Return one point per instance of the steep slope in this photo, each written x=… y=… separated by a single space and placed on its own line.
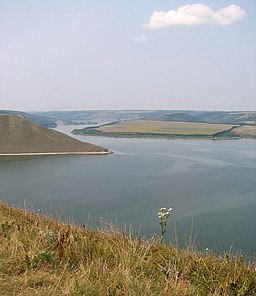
x=18 y=135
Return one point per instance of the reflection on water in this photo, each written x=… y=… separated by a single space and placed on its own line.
x=211 y=183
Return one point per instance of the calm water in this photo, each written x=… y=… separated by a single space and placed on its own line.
x=211 y=186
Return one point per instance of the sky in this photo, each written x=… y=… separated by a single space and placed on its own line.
x=143 y=54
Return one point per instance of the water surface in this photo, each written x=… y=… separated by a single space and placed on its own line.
x=211 y=186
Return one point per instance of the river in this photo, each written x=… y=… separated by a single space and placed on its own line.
x=211 y=186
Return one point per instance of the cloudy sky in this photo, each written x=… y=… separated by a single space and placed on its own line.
x=143 y=54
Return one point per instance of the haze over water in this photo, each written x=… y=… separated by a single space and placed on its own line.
x=211 y=186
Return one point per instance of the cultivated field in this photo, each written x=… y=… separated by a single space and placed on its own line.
x=164 y=127
x=246 y=131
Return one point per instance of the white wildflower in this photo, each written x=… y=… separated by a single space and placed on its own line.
x=163 y=216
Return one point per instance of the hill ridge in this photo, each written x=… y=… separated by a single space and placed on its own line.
x=19 y=136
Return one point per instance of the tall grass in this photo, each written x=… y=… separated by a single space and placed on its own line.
x=42 y=256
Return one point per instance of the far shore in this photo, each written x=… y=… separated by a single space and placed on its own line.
x=57 y=153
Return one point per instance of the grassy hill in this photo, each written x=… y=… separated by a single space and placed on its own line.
x=38 y=119
x=18 y=135
x=42 y=256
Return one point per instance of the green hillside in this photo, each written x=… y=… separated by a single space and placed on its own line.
x=18 y=135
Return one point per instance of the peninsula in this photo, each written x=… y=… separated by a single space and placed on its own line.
x=186 y=125
x=158 y=129
x=19 y=136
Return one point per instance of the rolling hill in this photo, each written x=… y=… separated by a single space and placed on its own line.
x=234 y=117
x=183 y=117
x=244 y=117
x=20 y=136
x=82 y=117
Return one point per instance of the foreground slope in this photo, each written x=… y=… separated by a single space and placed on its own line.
x=42 y=256
x=18 y=135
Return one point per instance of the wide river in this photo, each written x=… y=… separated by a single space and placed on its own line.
x=211 y=186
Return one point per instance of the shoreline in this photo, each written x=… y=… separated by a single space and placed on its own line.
x=57 y=153
x=161 y=136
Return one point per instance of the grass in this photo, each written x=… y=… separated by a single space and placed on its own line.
x=42 y=256
x=164 y=127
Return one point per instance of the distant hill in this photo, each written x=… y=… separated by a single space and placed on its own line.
x=228 y=117
x=18 y=135
x=238 y=117
x=104 y=116
x=89 y=116
x=175 y=117
x=42 y=120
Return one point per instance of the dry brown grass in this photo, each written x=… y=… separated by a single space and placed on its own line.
x=164 y=127
x=42 y=256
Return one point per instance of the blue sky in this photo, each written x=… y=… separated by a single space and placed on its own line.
x=147 y=54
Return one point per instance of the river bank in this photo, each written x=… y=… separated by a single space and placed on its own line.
x=57 y=153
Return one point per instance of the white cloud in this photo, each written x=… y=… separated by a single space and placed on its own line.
x=195 y=14
x=140 y=39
